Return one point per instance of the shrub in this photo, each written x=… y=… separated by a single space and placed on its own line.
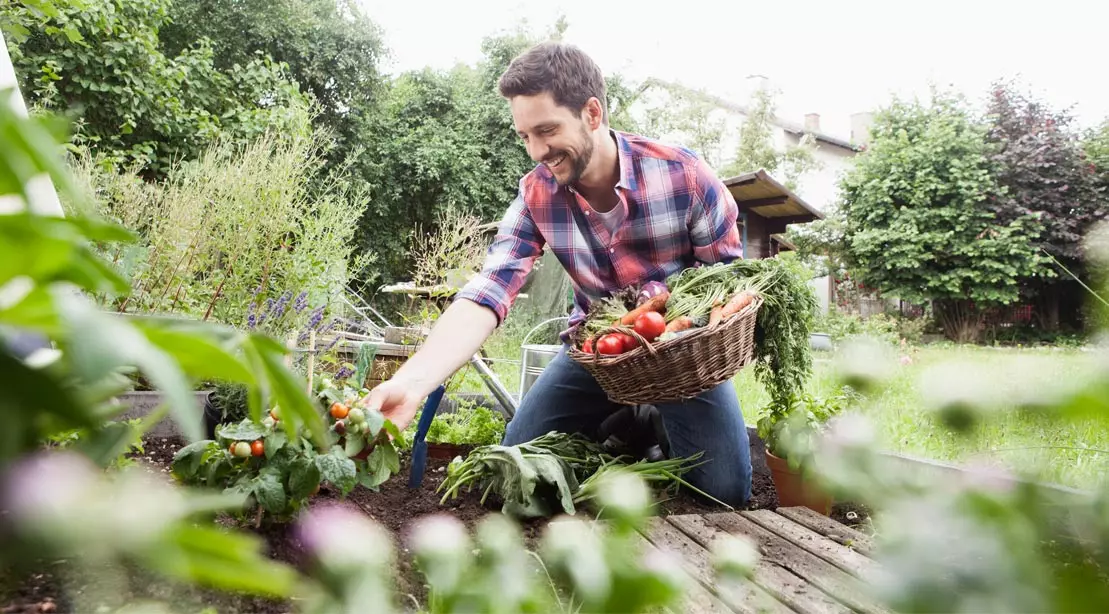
x=238 y=226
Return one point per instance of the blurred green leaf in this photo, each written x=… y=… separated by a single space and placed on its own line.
x=228 y=561
x=241 y=431
x=98 y=344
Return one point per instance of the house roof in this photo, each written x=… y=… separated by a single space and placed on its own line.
x=764 y=196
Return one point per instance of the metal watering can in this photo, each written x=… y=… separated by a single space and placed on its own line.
x=534 y=357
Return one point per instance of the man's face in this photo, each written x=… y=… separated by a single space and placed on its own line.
x=554 y=135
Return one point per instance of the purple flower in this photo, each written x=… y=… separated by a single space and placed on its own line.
x=251 y=321
x=301 y=302
x=316 y=318
x=344 y=372
x=282 y=304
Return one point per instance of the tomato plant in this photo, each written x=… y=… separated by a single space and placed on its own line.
x=278 y=473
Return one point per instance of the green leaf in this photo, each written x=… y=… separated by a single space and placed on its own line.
x=274 y=442
x=337 y=469
x=390 y=456
x=99 y=344
x=289 y=392
x=269 y=492
x=104 y=445
x=242 y=431
x=353 y=444
x=35 y=311
x=303 y=479
x=398 y=436
x=200 y=356
x=72 y=34
x=187 y=461
x=221 y=559
x=32 y=390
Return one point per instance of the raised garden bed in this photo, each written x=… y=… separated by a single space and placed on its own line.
x=395 y=506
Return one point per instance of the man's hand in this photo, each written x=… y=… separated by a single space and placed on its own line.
x=455 y=338
x=396 y=400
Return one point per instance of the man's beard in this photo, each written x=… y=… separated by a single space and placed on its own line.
x=578 y=163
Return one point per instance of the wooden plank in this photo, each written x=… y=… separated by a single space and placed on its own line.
x=746 y=595
x=837 y=554
x=829 y=528
x=780 y=582
x=698 y=599
x=781 y=551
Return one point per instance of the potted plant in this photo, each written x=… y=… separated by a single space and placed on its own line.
x=789 y=430
x=458 y=432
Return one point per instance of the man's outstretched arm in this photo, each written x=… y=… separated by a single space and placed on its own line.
x=473 y=316
x=456 y=337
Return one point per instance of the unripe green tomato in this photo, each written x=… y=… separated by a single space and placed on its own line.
x=242 y=449
x=357 y=416
x=268 y=422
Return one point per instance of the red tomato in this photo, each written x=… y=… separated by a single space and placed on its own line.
x=610 y=344
x=587 y=347
x=650 y=325
x=629 y=342
x=257 y=448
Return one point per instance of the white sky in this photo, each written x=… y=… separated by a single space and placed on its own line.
x=832 y=57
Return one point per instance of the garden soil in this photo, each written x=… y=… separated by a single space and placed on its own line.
x=395 y=506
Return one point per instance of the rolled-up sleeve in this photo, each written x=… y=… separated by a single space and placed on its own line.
x=713 y=217
x=509 y=260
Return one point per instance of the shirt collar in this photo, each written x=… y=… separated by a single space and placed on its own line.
x=623 y=162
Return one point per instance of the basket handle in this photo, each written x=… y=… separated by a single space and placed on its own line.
x=619 y=329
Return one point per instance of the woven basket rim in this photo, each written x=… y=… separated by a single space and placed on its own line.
x=601 y=360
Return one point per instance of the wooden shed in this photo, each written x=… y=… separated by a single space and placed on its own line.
x=766 y=207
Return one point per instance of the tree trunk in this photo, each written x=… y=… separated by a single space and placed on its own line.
x=962 y=320
x=1047 y=306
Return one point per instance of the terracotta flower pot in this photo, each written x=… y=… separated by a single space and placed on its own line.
x=794 y=490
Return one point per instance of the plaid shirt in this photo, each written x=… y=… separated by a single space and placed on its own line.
x=673 y=212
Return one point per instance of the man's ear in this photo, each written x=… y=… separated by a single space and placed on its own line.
x=593 y=114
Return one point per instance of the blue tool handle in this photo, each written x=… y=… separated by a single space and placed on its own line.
x=419 y=447
x=431 y=406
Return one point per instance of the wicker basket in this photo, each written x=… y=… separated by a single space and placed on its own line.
x=678 y=369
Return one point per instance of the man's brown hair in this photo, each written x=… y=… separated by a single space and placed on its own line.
x=571 y=76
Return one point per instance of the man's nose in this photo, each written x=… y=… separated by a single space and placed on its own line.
x=538 y=150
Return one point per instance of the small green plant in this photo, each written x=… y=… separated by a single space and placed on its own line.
x=791 y=430
x=468 y=424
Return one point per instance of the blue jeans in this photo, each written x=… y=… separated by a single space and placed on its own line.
x=567 y=399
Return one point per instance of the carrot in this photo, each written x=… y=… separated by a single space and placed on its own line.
x=679 y=324
x=737 y=303
x=716 y=314
x=655 y=303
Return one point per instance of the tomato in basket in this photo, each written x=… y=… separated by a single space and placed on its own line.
x=629 y=342
x=610 y=344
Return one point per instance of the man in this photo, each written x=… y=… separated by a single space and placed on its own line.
x=617 y=210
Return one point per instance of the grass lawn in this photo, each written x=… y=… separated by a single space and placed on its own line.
x=1074 y=454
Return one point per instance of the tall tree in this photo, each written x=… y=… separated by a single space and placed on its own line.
x=1037 y=158
x=757 y=149
x=920 y=219
x=331 y=47
x=103 y=62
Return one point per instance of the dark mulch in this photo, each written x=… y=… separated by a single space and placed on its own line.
x=395 y=506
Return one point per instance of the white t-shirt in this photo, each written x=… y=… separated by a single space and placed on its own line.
x=609 y=219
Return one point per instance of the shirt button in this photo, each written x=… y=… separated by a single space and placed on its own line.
x=612 y=250
x=587 y=213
